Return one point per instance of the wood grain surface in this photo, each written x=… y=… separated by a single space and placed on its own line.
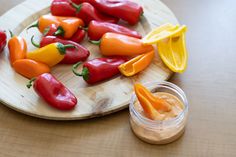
x=93 y=100
x=209 y=83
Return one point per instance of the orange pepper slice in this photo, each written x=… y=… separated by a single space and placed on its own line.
x=137 y=64
x=152 y=105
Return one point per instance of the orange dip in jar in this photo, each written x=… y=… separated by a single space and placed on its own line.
x=168 y=123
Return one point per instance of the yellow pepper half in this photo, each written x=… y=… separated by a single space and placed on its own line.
x=51 y=54
x=137 y=64
x=152 y=106
x=170 y=41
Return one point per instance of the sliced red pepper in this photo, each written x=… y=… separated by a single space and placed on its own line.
x=3 y=40
x=99 y=69
x=53 y=92
x=97 y=29
x=72 y=56
x=87 y=13
x=123 y=9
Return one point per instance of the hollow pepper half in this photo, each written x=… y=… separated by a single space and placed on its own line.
x=30 y=68
x=99 y=69
x=53 y=92
x=51 y=54
x=87 y=13
x=72 y=55
x=66 y=26
x=17 y=48
x=123 y=9
x=3 y=40
x=97 y=29
x=151 y=105
x=113 y=44
x=137 y=64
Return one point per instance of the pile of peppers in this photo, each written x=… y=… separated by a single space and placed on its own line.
x=62 y=32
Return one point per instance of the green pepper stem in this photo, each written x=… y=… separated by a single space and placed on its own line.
x=62 y=48
x=84 y=73
x=12 y=35
x=29 y=84
x=34 y=43
x=60 y=31
x=95 y=42
x=84 y=28
x=33 y=25
x=46 y=30
x=77 y=7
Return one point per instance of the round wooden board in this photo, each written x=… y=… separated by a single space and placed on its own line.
x=93 y=101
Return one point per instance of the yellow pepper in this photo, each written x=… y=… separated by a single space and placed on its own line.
x=51 y=54
x=152 y=106
x=137 y=64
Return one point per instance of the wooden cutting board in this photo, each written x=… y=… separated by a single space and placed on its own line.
x=93 y=101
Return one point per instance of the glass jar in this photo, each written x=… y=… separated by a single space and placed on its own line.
x=157 y=131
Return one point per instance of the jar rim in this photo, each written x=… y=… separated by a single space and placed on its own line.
x=167 y=85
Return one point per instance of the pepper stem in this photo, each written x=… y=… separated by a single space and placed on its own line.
x=12 y=35
x=84 y=73
x=60 y=31
x=33 y=25
x=77 y=7
x=34 y=43
x=62 y=48
x=95 y=42
x=46 y=30
x=29 y=84
x=84 y=28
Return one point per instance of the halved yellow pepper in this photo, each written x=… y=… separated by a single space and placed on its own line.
x=137 y=64
x=151 y=105
x=171 y=45
x=51 y=54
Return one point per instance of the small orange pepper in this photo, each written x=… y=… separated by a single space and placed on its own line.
x=17 y=48
x=152 y=105
x=66 y=26
x=30 y=68
x=113 y=44
x=137 y=64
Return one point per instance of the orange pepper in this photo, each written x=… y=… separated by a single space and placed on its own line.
x=113 y=44
x=137 y=64
x=17 y=48
x=66 y=26
x=30 y=68
x=152 y=105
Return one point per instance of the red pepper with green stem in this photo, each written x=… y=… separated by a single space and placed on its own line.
x=97 y=29
x=3 y=40
x=123 y=9
x=77 y=37
x=72 y=56
x=53 y=92
x=87 y=13
x=99 y=69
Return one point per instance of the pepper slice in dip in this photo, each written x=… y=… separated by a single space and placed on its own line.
x=158 y=115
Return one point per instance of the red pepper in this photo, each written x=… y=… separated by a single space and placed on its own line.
x=72 y=56
x=53 y=92
x=3 y=40
x=77 y=37
x=97 y=29
x=87 y=13
x=123 y=9
x=62 y=8
x=99 y=69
